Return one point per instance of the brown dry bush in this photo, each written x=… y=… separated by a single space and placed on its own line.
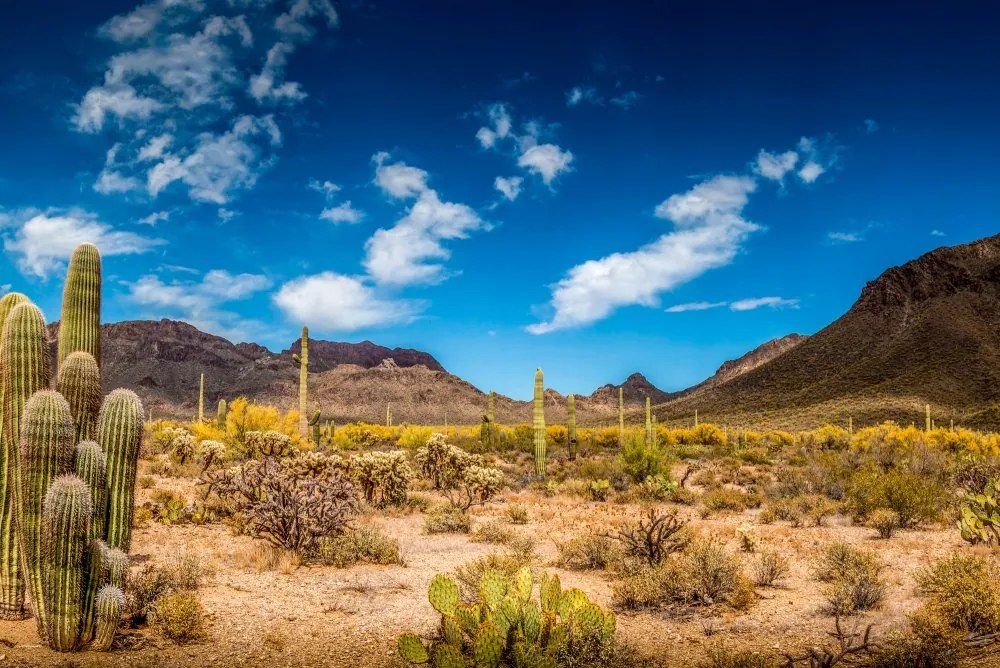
x=853 y=578
x=179 y=616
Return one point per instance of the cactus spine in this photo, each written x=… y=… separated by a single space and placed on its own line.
x=79 y=381
x=649 y=423
x=119 y=430
x=67 y=511
x=220 y=415
x=46 y=453
x=80 y=324
x=24 y=358
x=539 y=425
x=302 y=360
x=571 y=425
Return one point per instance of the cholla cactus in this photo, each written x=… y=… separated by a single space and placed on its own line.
x=505 y=626
x=476 y=485
x=210 y=452
x=182 y=444
x=268 y=443
x=382 y=476
x=441 y=462
x=539 y=425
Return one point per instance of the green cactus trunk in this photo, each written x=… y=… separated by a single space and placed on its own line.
x=45 y=454
x=24 y=358
x=92 y=467
x=303 y=361
x=220 y=415
x=571 y=425
x=850 y=426
x=649 y=424
x=119 y=431
x=79 y=381
x=109 y=606
x=621 y=417
x=11 y=580
x=696 y=417
x=927 y=418
x=539 y=425
x=388 y=415
x=80 y=323
x=201 y=399
x=68 y=507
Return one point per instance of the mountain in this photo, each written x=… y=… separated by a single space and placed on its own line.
x=927 y=331
x=760 y=355
x=635 y=389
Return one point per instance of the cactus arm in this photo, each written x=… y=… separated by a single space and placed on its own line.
x=80 y=322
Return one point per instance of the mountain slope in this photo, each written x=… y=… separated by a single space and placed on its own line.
x=928 y=330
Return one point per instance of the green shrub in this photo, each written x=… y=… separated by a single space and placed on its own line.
x=448 y=520
x=884 y=521
x=640 y=460
x=518 y=514
x=725 y=499
x=715 y=574
x=179 y=617
x=964 y=589
x=599 y=490
x=853 y=578
x=367 y=544
x=915 y=498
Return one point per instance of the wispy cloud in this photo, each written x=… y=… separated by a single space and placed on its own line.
x=749 y=304
x=845 y=237
x=626 y=100
x=870 y=126
x=937 y=233
x=343 y=212
x=694 y=306
x=545 y=160
x=578 y=95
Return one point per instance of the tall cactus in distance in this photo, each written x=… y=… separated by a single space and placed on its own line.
x=67 y=511
x=388 y=415
x=539 y=424
x=621 y=417
x=927 y=418
x=220 y=415
x=80 y=323
x=649 y=424
x=302 y=359
x=45 y=454
x=79 y=381
x=24 y=358
x=119 y=432
x=571 y=425
x=201 y=399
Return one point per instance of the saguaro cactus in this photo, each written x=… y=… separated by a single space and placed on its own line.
x=91 y=467
x=119 y=432
x=24 y=358
x=302 y=359
x=46 y=453
x=220 y=415
x=109 y=604
x=80 y=324
x=621 y=416
x=927 y=418
x=201 y=399
x=571 y=425
x=67 y=511
x=314 y=424
x=388 y=415
x=649 y=424
x=79 y=381
x=539 y=425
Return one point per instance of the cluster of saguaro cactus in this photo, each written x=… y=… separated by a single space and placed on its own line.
x=539 y=424
x=571 y=425
x=505 y=626
x=302 y=360
x=66 y=499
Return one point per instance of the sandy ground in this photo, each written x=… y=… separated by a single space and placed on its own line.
x=324 y=616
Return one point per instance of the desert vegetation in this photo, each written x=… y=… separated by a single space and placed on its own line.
x=250 y=533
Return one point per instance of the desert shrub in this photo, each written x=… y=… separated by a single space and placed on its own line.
x=146 y=482
x=703 y=434
x=769 y=568
x=518 y=514
x=640 y=460
x=755 y=456
x=653 y=537
x=831 y=437
x=493 y=531
x=269 y=443
x=441 y=462
x=884 y=521
x=286 y=503
x=179 y=617
x=599 y=490
x=720 y=657
x=562 y=629
x=657 y=487
x=683 y=496
x=747 y=538
x=144 y=587
x=476 y=485
x=186 y=572
x=853 y=578
x=448 y=520
x=591 y=551
x=931 y=642
x=471 y=573
x=367 y=544
x=715 y=573
x=804 y=509
x=767 y=516
x=263 y=557
x=245 y=417
x=383 y=477
x=964 y=589
x=412 y=436
x=729 y=500
x=915 y=498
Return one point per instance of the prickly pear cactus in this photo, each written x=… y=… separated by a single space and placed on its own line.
x=979 y=519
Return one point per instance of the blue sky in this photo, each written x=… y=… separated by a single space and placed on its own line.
x=638 y=186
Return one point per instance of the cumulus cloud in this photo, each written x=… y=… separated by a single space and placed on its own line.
x=334 y=302
x=42 y=242
x=509 y=186
x=342 y=213
x=547 y=160
x=412 y=250
x=774 y=166
x=154 y=218
x=758 y=302
x=199 y=303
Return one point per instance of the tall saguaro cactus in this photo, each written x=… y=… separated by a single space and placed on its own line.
x=79 y=381
x=571 y=425
x=92 y=467
x=67 y=511
x=201 y=399
x=302 y=359
x=119 y=432
x=80 y=323
x=220 y=415
x=621 y=416
x=927 y=418
x=649 y=424
x=539 y=424
x=24 y=359
x=46 y=453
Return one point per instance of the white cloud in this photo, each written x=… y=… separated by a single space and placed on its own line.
x=342 y=213
x=110 y=181
x=546 y=160
x=44 y=241
x=709 y=232
x=156 y=147
x=694 y=306
x=295 y=23
x=155 y=217
x=334 y=302
x=811 y=171
x=937 y=233
x=626 y=100
x=120 y=100
x=580 y=94
x=199 y=302
x=845 y=237
x=509 y=187
x=267 y=86
x=774 y=166
x=412 y=251
x=758 y=302
x=328 y=188
x=225 y=215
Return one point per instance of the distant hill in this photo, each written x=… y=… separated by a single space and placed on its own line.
x=927 y=331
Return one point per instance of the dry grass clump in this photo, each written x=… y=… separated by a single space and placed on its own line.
x=591 y=551
x=885 y=522
x=769 y=568
x=965 y=590
x=264 y=557
x=367 y=544
x=518 y=514
x=179 y=616
x=493 y=531
x=721 y=657
x=853 y=578
x=730 y=500
x=448 y=520
x=803 y=510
